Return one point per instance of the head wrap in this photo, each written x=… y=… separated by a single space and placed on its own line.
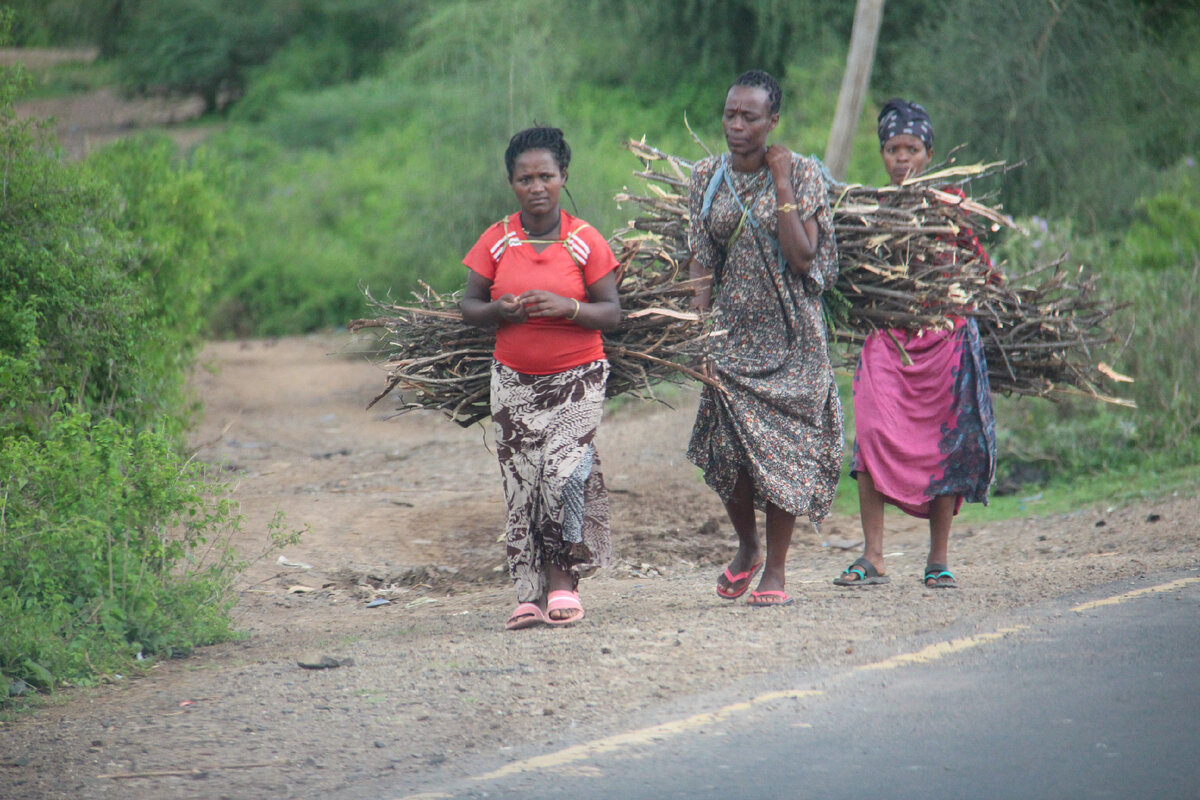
x=900 y=116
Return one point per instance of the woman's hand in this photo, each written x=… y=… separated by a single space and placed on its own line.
x=479 y=309
x=511 y=309
x=798 y=237
x=779 y=162
x=540 y=303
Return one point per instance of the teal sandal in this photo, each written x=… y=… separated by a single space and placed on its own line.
x=942 y=577
x=861 y=573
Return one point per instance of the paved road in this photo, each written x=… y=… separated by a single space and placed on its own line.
x=1095 y=699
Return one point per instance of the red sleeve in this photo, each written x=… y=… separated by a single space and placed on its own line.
x=598 y=260
x=485 y=254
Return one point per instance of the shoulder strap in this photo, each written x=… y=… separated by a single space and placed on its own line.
x=578 y=254
x=714 y=185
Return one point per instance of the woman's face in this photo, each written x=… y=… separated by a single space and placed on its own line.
x=904 y=156
x=747 y=120
x=537 y=181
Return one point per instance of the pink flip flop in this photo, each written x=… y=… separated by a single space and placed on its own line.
x=746 y=576
x=563 y=600
x=778 y=598
x=525 y=615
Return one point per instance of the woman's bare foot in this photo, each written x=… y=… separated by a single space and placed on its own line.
x=735 y=580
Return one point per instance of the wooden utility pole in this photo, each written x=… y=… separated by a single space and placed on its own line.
x=868 y=15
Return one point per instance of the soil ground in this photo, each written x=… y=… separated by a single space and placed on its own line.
x=408 y=509
x=86 y=121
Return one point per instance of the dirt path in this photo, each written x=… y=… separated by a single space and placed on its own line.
x=409 y=509
x=89 y=120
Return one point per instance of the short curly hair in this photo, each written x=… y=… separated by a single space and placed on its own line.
x=539 y=137
x=758 y=79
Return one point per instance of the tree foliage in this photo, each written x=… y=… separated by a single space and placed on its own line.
x=103 y=284
x=1084 y=93
x=655 y=44
x=212 y=47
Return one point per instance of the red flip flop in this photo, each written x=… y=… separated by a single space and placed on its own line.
x=746 y=576
x=756 y=599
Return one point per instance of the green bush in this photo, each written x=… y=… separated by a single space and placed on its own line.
x=114 y=547
x=102 y=537
x=1165 y=231
x=107 y=268
x=66 y=315
x=60 y=23
x=1153 y=276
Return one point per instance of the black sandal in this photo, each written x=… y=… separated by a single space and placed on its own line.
x=864 y=572
x=942 y=578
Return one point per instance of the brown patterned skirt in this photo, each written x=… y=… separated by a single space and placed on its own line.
x=558 y=509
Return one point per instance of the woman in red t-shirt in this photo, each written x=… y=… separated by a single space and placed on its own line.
x=546 y=281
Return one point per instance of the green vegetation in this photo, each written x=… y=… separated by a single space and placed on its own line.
x=102 y=552
x=114 y=547
x=1093 y=97
x=362 y=146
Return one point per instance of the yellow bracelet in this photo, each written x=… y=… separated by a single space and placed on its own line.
x=786 y=207
x=576 y=312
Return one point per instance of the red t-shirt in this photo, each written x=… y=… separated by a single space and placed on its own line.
x=543 y=346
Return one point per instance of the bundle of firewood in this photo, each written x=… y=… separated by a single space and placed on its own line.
x=905 y=261
x=439 y=362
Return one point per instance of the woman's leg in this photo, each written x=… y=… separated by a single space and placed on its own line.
x=870 y=510
x=941 y=515
x=780 y=525
x=740 y=508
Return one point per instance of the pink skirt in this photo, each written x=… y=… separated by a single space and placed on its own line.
x=925 y=429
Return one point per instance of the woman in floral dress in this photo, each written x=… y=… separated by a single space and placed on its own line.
x=761 y=228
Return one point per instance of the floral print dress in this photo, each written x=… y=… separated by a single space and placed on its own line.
x=780 y=418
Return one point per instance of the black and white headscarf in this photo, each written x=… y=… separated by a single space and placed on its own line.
x=900 y=116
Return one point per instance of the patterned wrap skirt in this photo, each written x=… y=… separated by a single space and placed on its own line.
x=558 y=510
x=924 y=426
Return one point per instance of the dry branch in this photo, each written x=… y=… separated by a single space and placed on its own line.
x=906 y=260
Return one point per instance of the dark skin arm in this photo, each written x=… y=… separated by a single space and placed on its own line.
x=601 y=312
x=798 y=237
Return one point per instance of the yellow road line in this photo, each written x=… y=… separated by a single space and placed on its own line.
x=655 y=733
x=1121 y=598
x=941 y=649
x=643 y=736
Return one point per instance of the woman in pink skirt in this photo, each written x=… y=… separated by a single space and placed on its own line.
x=925 y=432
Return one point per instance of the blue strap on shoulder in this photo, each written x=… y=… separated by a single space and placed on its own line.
x=714 y=185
